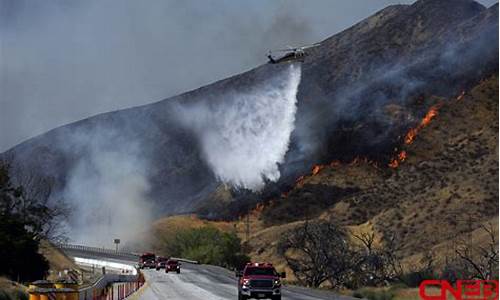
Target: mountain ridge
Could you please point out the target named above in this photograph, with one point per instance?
(395, 57)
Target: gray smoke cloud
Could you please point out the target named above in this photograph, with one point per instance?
(65, 60)
(107, 189)
(62, 61)
(245, 135)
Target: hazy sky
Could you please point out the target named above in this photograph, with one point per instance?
(64, 60)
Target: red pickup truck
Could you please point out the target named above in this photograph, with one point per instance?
(259, 281)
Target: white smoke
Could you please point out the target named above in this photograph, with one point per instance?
(107, 190)
(244, 136)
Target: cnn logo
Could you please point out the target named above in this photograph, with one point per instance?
(463, 290)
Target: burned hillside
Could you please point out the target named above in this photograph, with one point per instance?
(354, 99)
(445, 187)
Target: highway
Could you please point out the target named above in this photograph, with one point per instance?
(195, 282)
(202, 282)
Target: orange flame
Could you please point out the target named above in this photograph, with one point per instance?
(410, 136)
(431, 114)
(413, 132)
(394, 163)
(316, 169)
(402, 156)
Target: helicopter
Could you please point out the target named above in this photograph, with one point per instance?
(291, 54)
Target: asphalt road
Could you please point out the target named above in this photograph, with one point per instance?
(199, 282)
(202, 282)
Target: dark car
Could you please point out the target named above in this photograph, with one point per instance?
(147, 260)
(161, 262)
(151, 264)
(259, 281)
(172, 266)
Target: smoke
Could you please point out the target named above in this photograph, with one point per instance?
(107, 189)
(245, 135)
(114, 54)
(362, 113)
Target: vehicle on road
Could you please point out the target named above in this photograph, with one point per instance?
(161, 262)
(147, 260)
(259, 281)
(172, 265)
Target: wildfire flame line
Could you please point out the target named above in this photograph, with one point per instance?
(431, 114)
(412, 133)
(316, 169)
(394, 163)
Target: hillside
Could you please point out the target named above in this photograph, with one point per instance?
(357, 94)
(444, 190)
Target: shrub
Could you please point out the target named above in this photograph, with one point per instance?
(208, 245)
(13, 295)
(374, 294)
(414, 278)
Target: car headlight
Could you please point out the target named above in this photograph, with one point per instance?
(277, 282)
(246, 282)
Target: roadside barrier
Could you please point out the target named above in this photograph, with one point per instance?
(96, 251)
(107, 287)
(195, 262)
(121, 291)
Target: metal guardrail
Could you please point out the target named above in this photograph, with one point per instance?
(186, 260)
(106, 286)
(109, 286)
(95, 249)
(114, 252)
(90, 252)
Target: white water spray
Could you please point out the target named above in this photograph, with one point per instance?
(246, 135)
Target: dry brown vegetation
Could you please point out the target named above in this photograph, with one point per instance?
(58, 261)
(443, 193)
(445, 190)
(12, 290)
(437, 202)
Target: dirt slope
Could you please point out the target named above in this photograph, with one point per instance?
(445, 188)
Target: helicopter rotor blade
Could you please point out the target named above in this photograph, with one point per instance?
(309, 46)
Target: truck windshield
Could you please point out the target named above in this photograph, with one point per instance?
(260, 271)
